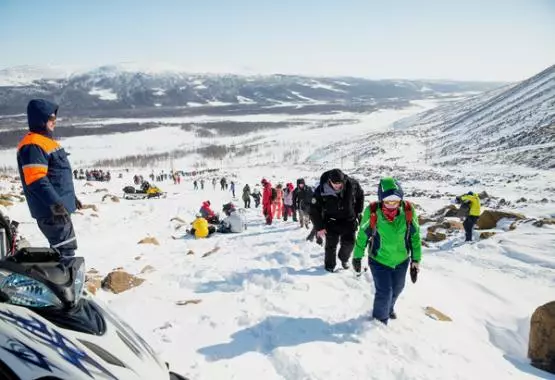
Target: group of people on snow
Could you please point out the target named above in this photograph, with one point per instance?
(386, 229)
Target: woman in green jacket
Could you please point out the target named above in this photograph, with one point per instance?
(391, 231)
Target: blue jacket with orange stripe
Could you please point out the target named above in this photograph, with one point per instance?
(43, 165)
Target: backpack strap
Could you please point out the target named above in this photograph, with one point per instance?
(374, 206)
(408, 217)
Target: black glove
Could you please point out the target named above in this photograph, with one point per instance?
(414, 272)
(357, 265)
(59, 212)
(78, 204)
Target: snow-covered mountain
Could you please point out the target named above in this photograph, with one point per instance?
(129, 90)
(514, 124)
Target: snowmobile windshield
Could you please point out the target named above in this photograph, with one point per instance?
(37, 278)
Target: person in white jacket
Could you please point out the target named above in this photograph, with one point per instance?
(234, 222)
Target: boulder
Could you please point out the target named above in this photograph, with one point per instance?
(489, 218)
(483, 195)
(486, 234)
(149, 240)
(541, 345)
(435, 236)
(119, 281)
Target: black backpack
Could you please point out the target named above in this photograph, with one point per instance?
(274, 194)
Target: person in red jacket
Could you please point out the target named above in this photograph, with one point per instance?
(267, 200)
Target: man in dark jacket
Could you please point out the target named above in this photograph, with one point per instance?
(335, 211)
(47, 179)
(302, 196)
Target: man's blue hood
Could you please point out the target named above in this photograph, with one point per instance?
(38, 112)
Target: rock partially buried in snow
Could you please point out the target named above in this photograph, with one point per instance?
(113, 198)
(5, 203)
(541, 345)
(190, 252)
(489, 218)
(435, 236)
(449, 210)
(542, 222)
(101, 190)
(149, 240)
(148, 269)
(177, 219)
(92, 207)
(187, 302)
(486, 234)
(434, 313)
(120, 281)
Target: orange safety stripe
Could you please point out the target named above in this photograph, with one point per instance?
(34, 172)
(46, 143)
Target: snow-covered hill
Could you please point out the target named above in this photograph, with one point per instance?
(133, 91)
(515, 124)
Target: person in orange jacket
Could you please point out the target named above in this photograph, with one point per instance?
(47, 178)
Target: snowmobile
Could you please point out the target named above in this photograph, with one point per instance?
(8, 236)
(146, 191)
(51, 328)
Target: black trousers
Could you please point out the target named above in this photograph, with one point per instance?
(468, 225)
(347, 240)
(60, 234)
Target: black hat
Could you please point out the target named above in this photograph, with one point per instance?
(336, 176)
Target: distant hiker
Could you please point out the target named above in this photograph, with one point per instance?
(201, 228)
(335, 212)
(277, 202)
(223, 183)
(302, 198)
(214, 183)
(288, 208)
(234, 222)
(195, 184)
(256, 195)
(267, 200)
(202, 184)
(390, 227)
(247, 196)
(470, 202)
(232, 186)
(46, 177)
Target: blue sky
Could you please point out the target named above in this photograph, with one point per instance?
(465, 39)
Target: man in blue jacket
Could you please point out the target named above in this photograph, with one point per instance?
(47, 179)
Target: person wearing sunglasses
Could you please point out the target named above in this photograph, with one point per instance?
(335, 211)
(391, 231)
(47, 178)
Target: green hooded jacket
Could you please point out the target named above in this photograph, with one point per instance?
(389, 247)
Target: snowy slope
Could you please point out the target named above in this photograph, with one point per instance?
(268, 310)
(513, 124)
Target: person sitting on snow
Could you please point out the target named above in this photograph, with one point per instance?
(201, 229)
(234, 222)
(207, 213)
